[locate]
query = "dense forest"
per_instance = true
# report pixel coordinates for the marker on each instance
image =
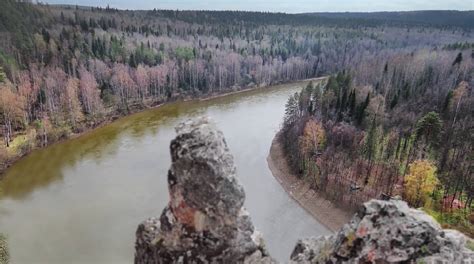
(400, 106)
(437, 18)
(397, 125)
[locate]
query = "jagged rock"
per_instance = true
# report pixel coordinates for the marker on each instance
(204, 221)
(386, 232)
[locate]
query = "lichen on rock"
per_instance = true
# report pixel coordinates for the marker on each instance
(386, 232)
(205, 221)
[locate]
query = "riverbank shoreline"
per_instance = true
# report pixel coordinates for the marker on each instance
(207, 98)
(321, 209)
(114, 116)
(106, 121)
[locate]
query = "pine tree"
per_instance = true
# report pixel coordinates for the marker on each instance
(458, 59)
(352, 103)
(447, 101)
(361, 110)
(132, 62)
(370, 141)
(429, 127)
(292, 109)
(370, 148)
(394, 101)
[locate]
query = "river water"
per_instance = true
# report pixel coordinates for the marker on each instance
(80, 201)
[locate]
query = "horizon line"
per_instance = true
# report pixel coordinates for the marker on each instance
(254, 11)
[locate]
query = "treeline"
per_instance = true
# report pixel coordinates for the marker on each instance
(460, 46)
(403, 129)
(440, 18)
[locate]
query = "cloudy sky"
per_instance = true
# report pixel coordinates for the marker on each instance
(288, 6)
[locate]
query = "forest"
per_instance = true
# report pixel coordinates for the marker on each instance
(403, 128)
(398, 103)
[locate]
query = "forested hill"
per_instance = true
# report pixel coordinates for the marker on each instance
(464, 19)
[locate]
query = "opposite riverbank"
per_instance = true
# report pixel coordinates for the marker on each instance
(17, 150)
(320, 208)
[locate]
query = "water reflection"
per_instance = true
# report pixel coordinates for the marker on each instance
(47, 165)
(80, 201)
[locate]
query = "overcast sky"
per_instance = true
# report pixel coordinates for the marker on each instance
(288, 6)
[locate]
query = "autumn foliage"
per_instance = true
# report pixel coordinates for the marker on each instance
(343, 137)
(420, 182)
(313, 139)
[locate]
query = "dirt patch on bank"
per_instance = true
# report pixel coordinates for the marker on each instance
(319, 207)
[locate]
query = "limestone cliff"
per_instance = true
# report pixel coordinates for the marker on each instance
(205, 221)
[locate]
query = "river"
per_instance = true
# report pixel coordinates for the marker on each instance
(80, 201)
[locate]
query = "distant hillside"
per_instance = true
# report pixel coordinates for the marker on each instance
(464, 19)
(212, 17)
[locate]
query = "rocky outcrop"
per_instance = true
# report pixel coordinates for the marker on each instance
(204, 221)
(386, 232)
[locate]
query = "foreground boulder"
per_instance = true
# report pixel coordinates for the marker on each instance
(386, 232)
(204, 221)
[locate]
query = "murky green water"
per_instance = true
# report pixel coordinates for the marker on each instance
(80, 201)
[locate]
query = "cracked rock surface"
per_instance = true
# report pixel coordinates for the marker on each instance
(205, 221)
(386, 232)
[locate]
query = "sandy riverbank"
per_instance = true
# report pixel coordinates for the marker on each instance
(319, 207)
